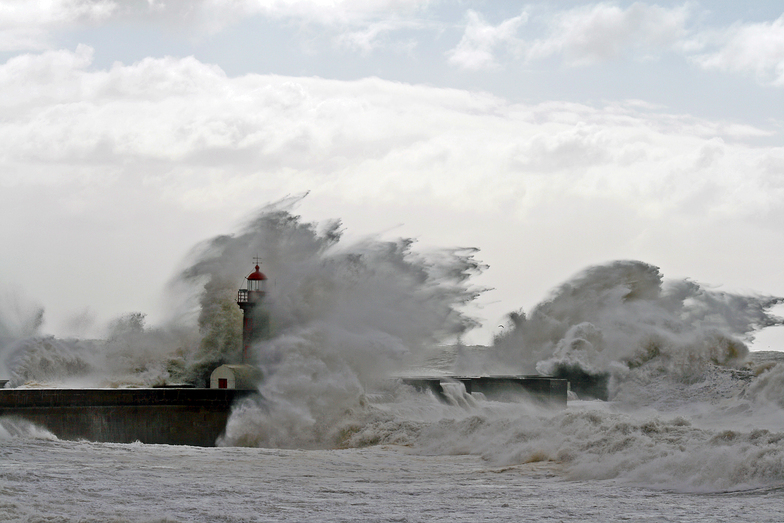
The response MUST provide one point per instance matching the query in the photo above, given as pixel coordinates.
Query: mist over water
(690, 408)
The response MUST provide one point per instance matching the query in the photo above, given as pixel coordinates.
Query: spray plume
(342, 317)
(624, 316)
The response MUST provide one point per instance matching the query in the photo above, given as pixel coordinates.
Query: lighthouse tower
(253, 322)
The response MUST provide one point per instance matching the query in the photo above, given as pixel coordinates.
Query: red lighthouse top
(257, 275)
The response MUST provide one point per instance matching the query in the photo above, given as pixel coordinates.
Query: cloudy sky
(551, 135)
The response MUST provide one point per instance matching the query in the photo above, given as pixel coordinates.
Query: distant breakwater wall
(173, 416)
(553, 391)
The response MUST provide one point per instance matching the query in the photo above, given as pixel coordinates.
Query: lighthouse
(254, 323)
(255, 326)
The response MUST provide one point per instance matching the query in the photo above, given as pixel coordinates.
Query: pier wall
(544, 389)
(176, 416)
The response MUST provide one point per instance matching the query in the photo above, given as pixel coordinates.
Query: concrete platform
(173, 416)
(540, 388)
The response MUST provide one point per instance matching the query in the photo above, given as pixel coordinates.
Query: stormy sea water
(691, 427)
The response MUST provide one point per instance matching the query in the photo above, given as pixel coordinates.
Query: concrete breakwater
(198, 417)
(173, 416)
(545, 389)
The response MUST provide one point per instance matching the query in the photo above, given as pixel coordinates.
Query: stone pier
(173, 416)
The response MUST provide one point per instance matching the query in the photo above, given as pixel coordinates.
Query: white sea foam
(12, 428)
(716, 445)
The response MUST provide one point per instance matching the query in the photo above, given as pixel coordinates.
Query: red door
(223, 383)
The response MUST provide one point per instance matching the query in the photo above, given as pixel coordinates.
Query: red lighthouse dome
(257, 275)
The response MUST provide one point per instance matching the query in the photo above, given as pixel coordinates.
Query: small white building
(242, 377)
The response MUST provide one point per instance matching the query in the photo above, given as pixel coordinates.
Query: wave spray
(689, 407)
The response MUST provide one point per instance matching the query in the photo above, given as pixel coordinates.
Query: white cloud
(342, 12)
(600, 32)
(580, 36)
(29, 24)
(216, 15)
(187, 129)
(755, 48)
(377, 34)
(26, 24)
(136, 162)
(354, 24)
(481, 41)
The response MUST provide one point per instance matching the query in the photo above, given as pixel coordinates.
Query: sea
(420, 458)
(690, 427)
